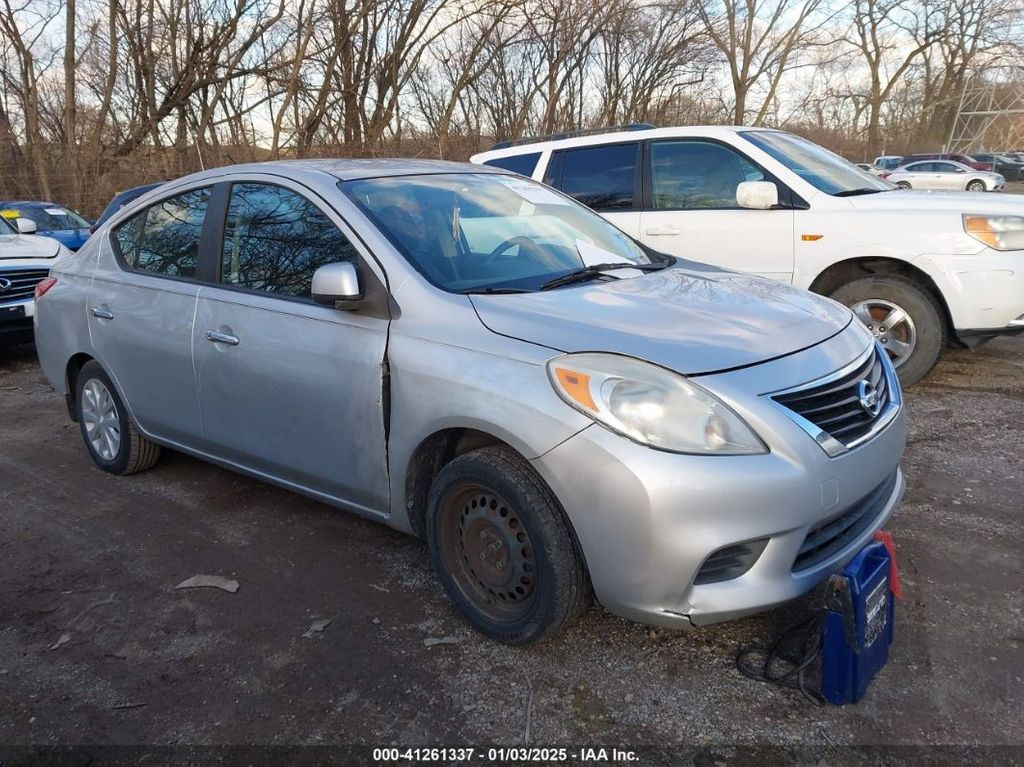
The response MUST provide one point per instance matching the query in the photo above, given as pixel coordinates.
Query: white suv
(918, 268)
(25, 260)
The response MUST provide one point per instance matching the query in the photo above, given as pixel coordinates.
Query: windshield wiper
(491, 291)
(595, 270)
(860, 191)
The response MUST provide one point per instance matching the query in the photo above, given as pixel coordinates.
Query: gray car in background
(469, 356)
(944, 175)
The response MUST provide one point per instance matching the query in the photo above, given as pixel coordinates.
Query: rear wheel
(903, 316)
(502, 548)
(113, 441)
(903, 184)
(976, 186)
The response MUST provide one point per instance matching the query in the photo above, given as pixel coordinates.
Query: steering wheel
(527, 246)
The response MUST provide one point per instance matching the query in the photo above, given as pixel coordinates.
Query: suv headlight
(651, 405)
(999, 232)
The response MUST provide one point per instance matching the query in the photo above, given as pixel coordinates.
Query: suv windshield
(822, 169)
(488, 232)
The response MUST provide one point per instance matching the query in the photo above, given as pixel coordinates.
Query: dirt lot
(97, 646)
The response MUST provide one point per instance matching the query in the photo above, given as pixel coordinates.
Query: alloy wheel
(891, 325)
(102, 423)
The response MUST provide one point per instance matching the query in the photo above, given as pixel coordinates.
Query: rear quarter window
(523, 164)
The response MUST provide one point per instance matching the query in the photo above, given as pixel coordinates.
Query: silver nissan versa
(467, 355)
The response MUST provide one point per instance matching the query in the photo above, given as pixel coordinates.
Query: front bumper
(984, 291)
(648, 520)
(16, 322)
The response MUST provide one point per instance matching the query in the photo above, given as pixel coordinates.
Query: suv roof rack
(573, 134)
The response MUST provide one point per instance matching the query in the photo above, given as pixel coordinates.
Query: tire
(872, 298)
(976, 186)
(101, 413)
(503, 549)
(903, 185)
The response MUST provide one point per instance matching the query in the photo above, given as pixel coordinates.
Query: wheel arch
(842, 272)
(71, 371)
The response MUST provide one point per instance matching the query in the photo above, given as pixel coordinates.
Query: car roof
(342, 169)
(615, 136)
(30, 204)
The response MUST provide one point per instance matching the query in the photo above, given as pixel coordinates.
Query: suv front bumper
(984, 292)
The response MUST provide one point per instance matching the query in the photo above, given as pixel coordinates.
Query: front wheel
(976, 186)
(903, 185)
(502, 548)
(903, 316)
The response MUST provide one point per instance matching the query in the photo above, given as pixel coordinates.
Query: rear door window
(164, 238)
(601, 177)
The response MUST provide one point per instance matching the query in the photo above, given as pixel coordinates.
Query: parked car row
(993, 169)
(549, 382)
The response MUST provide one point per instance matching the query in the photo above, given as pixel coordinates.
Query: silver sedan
(945, 175)
(469, 356)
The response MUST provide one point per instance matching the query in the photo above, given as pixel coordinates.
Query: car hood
(691, 318)
(27, 246)
(948, 202)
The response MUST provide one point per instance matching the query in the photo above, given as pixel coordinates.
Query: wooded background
(100, 96)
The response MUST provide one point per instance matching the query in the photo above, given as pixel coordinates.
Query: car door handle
(103, 314)
(220, 337)
(662, 231)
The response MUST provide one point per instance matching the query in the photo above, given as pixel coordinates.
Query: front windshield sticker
(532, 192)
(56, 211)
(9, 213)
(593, 254)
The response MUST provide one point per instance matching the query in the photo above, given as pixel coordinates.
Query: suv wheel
(502, 548)
(976, 186)
(110, 436)
(903, 316)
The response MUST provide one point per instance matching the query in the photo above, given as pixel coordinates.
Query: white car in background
(25, 261)
(944, 176)
(917, 268)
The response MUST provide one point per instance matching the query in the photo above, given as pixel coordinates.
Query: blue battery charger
(858, 625)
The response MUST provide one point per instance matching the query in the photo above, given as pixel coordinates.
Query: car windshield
(481, 232)
(49, 218)
(7, 227)
(822, 169)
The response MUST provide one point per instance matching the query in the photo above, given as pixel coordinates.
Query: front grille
(835, 406)
(730, 562)
(23, 283)
(831, 536)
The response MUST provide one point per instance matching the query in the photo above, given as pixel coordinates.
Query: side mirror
(757, 195)
(26, 226)
(337, 285)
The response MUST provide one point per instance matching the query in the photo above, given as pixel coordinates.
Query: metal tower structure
(990, 117)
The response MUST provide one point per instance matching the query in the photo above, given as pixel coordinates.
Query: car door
(690, 209)
(605, 177)
(141, 307)
(289, 388)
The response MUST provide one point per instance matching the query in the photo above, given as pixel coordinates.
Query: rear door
(604, 177)
(140, 311)
(287, 387)
(690, 209)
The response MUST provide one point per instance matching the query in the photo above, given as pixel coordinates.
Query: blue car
(51, 220)
(121, 199)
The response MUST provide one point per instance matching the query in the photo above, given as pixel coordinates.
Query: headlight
(999, 232)
(651, 405)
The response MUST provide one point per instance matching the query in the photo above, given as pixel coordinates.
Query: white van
(917, 268)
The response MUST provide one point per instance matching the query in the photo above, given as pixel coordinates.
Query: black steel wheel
(503, 549)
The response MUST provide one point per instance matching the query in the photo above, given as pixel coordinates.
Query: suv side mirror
(26, 225)
(757, 195)
(337, 285)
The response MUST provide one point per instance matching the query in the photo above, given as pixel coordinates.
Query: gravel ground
(97, 646)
